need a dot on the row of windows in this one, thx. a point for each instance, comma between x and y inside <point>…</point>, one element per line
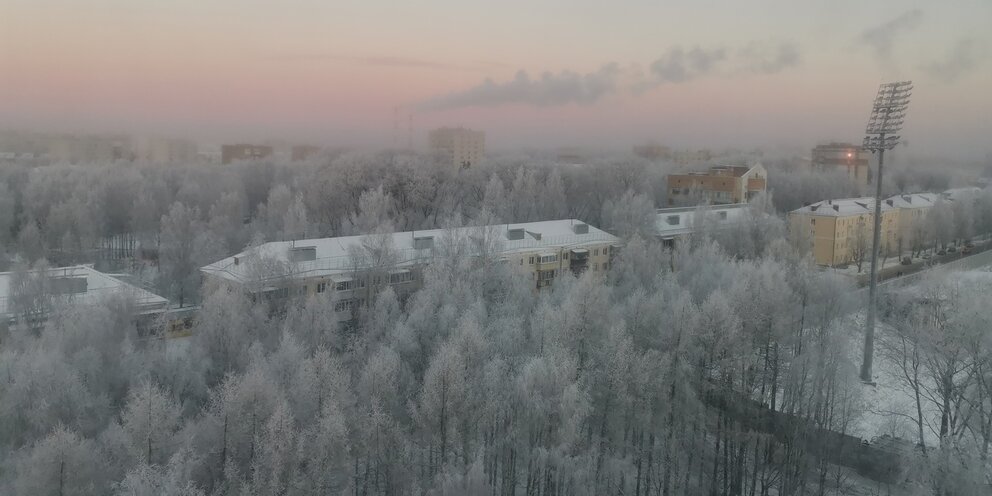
<point>554,258</point>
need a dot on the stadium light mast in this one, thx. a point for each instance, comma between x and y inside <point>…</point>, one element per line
<point>887,114</point>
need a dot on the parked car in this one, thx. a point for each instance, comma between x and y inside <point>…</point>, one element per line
<point>952,249</point>
<point>906,261</point>
<point>942,252</point>
<point>967,249</point>
<point>925,256</point>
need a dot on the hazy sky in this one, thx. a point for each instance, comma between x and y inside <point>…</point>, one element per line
<point>552,73</point>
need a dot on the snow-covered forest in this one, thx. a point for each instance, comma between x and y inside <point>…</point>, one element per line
<point>645,381</point>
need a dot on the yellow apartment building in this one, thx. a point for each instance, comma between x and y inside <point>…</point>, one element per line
<point>841,230</point>
<point>913,210</point>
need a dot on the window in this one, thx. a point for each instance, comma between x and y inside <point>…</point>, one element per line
<point>673,220</point>
<point>606,266</point>
<point>321,287</point>
<point>549,258</point>
<point>400,278</point>
<point>595,267</point>
<point>531,261</point>
<point>521,261</point>
<point>812,221</point>
<point>595,252</point>
<point>545,275</point>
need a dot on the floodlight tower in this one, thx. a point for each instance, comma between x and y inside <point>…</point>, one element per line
<point>887,115</point>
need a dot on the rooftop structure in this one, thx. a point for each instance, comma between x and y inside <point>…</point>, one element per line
<point>80,284</point>
<point>955,194</point>
<point>843,207</point>
<point>913,200</point>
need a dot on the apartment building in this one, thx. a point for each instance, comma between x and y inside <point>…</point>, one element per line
<point>458,146</point>
<point>350,269</point>
<point>168,151</point>
<point>299,153</point>
<point>852,159</point>
<point>653,151</point>
<point>691,158</point>
<point>912,213</point>
<point>674,225</point>
<point>241,152</point>
<point>841,230</point>
<point>78,285</point>
<point>720,185</point>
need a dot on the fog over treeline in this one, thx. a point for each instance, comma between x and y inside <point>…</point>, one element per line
<point>642,379</point>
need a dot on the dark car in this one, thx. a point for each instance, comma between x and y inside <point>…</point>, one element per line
<point>942,252</point>
<point>967,249</point>
<point>952,249</point>
<point>906,261</point>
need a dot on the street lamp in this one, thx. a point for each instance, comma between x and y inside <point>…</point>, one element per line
<point>887,115</point>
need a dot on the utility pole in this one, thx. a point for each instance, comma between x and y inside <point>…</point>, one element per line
<point>887,115</point>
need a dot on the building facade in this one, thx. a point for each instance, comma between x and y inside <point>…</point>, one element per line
<point>168,151</point>
<point>719,186</point>
<point>854,160</point>
<point>841,230</point>
<point>346,270</point>
<point>913,210</point>
<point>674,225</point>
<point>241,152</point>
<point>461,147</point>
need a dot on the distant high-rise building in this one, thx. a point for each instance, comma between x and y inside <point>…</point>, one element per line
<point>300,153</point>
<point>168,151</point>
<point>653,151</point>
<point>853,159</point>
<point>462,147</point>
<point>90,149</point>
<point>691,157</point>
<point>234,153</point>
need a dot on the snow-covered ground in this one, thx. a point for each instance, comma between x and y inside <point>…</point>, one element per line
<point>889,406</point>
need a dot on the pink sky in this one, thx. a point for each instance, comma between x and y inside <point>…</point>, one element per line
<point>332,72</point>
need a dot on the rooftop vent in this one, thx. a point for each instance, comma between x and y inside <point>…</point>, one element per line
<point>68,285</point>
<point>515,234</point>
<point>580,228</point>
<point>535,235</point>
<point>812,208</point>
<point>836,208</point>
<point>423,242</point>
<point>890,202</point>
<point>302,254</point>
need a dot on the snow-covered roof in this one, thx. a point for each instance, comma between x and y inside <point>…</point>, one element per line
<point>97,286</point>
<point>913,200</point>
<point>671,222</point>
<point>843,207</point>
<point>330,256</point>
<point>954,194</point>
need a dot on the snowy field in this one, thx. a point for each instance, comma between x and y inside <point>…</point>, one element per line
<point>889,406</point>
